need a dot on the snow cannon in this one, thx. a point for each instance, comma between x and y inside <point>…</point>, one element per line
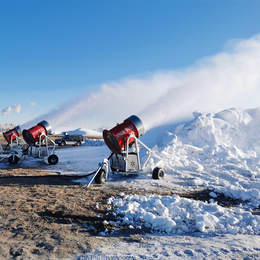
<point>116,137</point>
<point>12,134</point>
<point>123,141</point>
<point>36,133</point>
<point>13,150</point>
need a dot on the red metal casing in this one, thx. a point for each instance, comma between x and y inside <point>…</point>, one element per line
<point>32,136</point>
<point>116,138</point>
<point>12,134</point>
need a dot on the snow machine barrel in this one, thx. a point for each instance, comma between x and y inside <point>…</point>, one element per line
<point>32,135</point>
<point>116,137</point>
<point>12,134</point>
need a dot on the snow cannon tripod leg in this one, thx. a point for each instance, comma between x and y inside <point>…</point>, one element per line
<point>94,175</point>
<point>100,169</point>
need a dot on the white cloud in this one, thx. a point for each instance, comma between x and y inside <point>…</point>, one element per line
<point>32,104</point>
<point>8,110</point>
<point>17,108</point>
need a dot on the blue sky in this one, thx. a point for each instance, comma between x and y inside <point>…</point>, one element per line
<point>52,52</point>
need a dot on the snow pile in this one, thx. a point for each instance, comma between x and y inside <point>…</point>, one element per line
<point>221,151</point>
<point>215,151</point>
<point>94,142</point>
<point>176,215</point>
<point>78,131</point>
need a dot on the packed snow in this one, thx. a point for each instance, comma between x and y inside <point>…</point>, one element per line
<point>218,152</point>
<point>173,214</point>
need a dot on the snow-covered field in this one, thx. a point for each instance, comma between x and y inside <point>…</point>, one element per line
<point>219,152</point>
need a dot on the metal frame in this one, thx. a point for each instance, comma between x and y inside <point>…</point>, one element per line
<point>138,145</point>
<point>40,150</point>
<point>106,164</point>
<point>17,149</point>
<point>14,148</point>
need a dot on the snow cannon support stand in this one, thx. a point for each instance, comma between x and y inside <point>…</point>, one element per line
<point>14,146</point>
<point>123,141</point>
<point>39,144</point>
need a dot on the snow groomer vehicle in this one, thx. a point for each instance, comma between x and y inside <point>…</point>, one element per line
<point>123,141</point>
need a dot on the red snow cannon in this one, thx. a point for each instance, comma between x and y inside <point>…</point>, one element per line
<point>116,137</point>
<point>34,134</point>
<point>12,134</point>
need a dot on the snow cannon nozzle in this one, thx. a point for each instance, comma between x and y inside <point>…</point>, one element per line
<point>116,137</point>
<point>32,135</point>
<point>12,134</point>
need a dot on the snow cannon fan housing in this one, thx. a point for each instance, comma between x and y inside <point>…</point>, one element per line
<point>116,137</point>
<point>12,134</point>
<point>32,135</point>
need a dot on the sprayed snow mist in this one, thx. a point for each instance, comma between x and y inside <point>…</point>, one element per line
<point>228,79</point>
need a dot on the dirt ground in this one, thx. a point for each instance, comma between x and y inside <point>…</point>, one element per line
<point>48,216</point>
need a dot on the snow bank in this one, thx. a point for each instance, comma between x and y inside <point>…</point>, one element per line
<point>217,150</point>
<point>176,215</point>
<point>94,142</point>
<point>78,131</point>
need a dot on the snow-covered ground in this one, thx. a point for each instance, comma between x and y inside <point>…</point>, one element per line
<point>219,152</point>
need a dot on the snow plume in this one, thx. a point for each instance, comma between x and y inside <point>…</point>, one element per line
<point>214,83</point>
<point>112,104</point>
<point>8,110</point>
<point>227,79</point>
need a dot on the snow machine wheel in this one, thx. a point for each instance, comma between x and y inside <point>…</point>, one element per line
<point>158,173</point>
<point>78,144</point>
<point>100,177</point>
<point>62,143</point>
<point>53,159</point>
<point>13,159</point>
